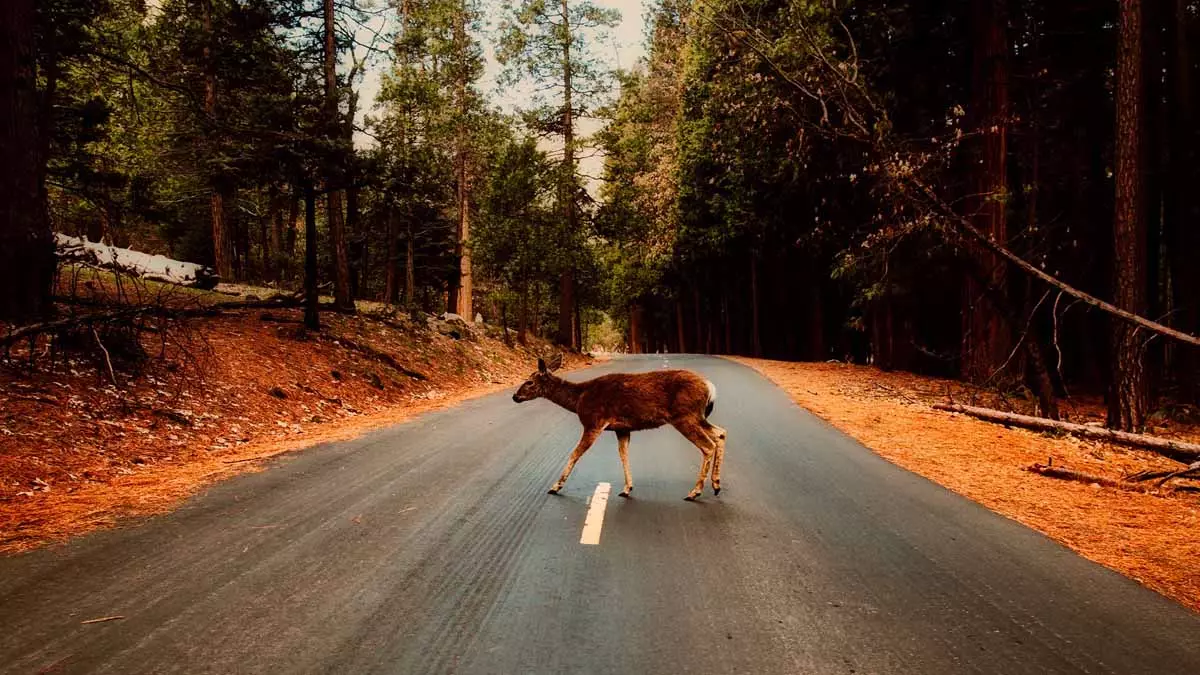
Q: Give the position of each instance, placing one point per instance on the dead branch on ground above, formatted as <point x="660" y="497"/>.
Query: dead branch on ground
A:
<point x="1185" y="453"/>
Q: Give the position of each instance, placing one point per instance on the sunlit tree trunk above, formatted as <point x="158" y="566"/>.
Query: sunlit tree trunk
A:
<point x="566" y="300"/>
<point x="333" y="197"/>
<point x="221" y="239"/>
<point x="311" y="301"/>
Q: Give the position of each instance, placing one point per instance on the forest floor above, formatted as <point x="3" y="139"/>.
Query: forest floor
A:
<point x="79" y="453"/>
<point x="1148" y="537"/>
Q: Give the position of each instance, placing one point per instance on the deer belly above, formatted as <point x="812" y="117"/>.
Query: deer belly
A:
<point x="635" y="424"/>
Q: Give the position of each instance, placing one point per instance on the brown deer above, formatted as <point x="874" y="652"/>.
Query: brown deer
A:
<point x="624" y="403"/>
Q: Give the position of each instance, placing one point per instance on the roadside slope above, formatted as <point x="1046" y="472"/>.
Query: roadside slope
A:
<point x="80" y="452"/>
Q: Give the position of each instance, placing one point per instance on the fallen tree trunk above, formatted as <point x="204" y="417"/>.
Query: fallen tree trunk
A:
<point x="381" y="356"/>
<point x="93" y="318"/>
<point x="1179" y="451"/>
<point x="1082" y="477"/>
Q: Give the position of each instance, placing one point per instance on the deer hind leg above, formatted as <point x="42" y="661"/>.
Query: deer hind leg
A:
<point x="589" y="437"/>
<point x="623" y="451"/>
<point x="695" y="433"/>
<point x="717" y="435"/>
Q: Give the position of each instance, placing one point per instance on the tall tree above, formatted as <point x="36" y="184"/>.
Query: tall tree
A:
<point x="552" y="43"/>
<point x="986" y="343"/>
<point x="1128" y="398"/>
<point x="222" y="239"/>
<point x="333" y="194"/>
<point x="465" y="67"/>
<point x="26" y="244"/>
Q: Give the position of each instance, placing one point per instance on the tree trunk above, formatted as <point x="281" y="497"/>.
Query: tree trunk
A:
<point x="391" y="289"/>
<point x="523" y="316"/>
<point x="680" y="344"/>
<point x="566" y="303"/>
<point x="312" y="320"/>
<point x="289" y="243"/>
<point x="222" y="242"/>
<point x="635" y="329"/>
<point x="985" y="342"/>
<point x="461" y="287"/>
<point x="273" y="247"/>
<point x="333" y="198"/>
<point x="26" y="243"/>
<point x="1179" y="451"/>
<point x="410" y="275"/>
<point x="1128" y="398"/>
<point x="696" y="319"/>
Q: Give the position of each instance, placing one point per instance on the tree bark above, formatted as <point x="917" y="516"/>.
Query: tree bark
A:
<point x="333" y="197"/>
<point x="410" y="276"/>
<point x="26" y="242"/>
<point x="523" y="316"/>
<point x="222" y="242"/>
<point x="1128" y="398"/>
<point x="461" y="286"/>
<point x="1179" y="451"/>
<point x="566" y="302"/>
<point x="391" y="290"/>
<point x="635" y="329"/>
<point x="273" y="246"/>
<point x="985" y="342"/>
<point x="312" y="319"/>
<point x="680" y="344"/>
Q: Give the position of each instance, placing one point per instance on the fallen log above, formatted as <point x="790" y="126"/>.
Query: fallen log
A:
<point x="1082" y="477"/>
<point x="123" y="313"/>
<point x="378" y="355"/>
<point x="1185" y="453"/>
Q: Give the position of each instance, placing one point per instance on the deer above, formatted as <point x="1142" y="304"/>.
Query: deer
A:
<point x="627" y="402"/>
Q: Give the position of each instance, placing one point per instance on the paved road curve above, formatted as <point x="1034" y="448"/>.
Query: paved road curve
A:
<point x="432" y="547"/>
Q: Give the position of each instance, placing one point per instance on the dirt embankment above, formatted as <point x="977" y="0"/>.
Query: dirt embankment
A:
<point x="1148" y="537"/>
<point x="78" y="453"/>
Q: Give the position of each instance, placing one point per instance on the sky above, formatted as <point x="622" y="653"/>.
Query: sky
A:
<point x="628" y="45"/>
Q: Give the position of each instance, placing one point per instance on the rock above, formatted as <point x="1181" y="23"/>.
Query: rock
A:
<point x="478" y="317"/>
<point x="451" y="325"/>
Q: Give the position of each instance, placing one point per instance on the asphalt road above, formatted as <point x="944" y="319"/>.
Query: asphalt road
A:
<point x="432" y="547"/>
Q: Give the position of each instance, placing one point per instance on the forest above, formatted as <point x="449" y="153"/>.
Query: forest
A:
<point x="1000" y="191"/>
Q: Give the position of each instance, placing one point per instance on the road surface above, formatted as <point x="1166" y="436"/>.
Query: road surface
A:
<point x="432" y="547"/>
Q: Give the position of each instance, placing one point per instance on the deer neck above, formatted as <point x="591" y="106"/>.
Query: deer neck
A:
<point x="565" y="394"/>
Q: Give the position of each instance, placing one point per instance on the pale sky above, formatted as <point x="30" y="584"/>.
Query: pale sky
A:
<point x="627" y="46"/>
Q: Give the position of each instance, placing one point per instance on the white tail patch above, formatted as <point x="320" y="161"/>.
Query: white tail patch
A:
<point x="712" y="391"/>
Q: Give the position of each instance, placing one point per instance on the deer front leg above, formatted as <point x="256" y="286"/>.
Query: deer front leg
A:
<point x="623" y="451"/>
<point x="589" y="437"/>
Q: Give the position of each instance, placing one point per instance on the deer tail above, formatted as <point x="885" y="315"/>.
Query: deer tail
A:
<point x="712" y="398"/>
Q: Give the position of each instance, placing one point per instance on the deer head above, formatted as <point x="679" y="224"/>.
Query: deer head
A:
<point x="540" y="382"/>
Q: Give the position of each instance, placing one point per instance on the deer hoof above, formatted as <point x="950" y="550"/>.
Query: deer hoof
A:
<point x="716" y="491"/>
<point x="690" y="498"/>
<point x="552" y="491"/>
<point x="625" y="494"/>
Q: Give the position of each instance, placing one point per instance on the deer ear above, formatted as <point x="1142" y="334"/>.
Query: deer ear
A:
<point x="541" y="366"/>
<point x="555" y="362"/>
